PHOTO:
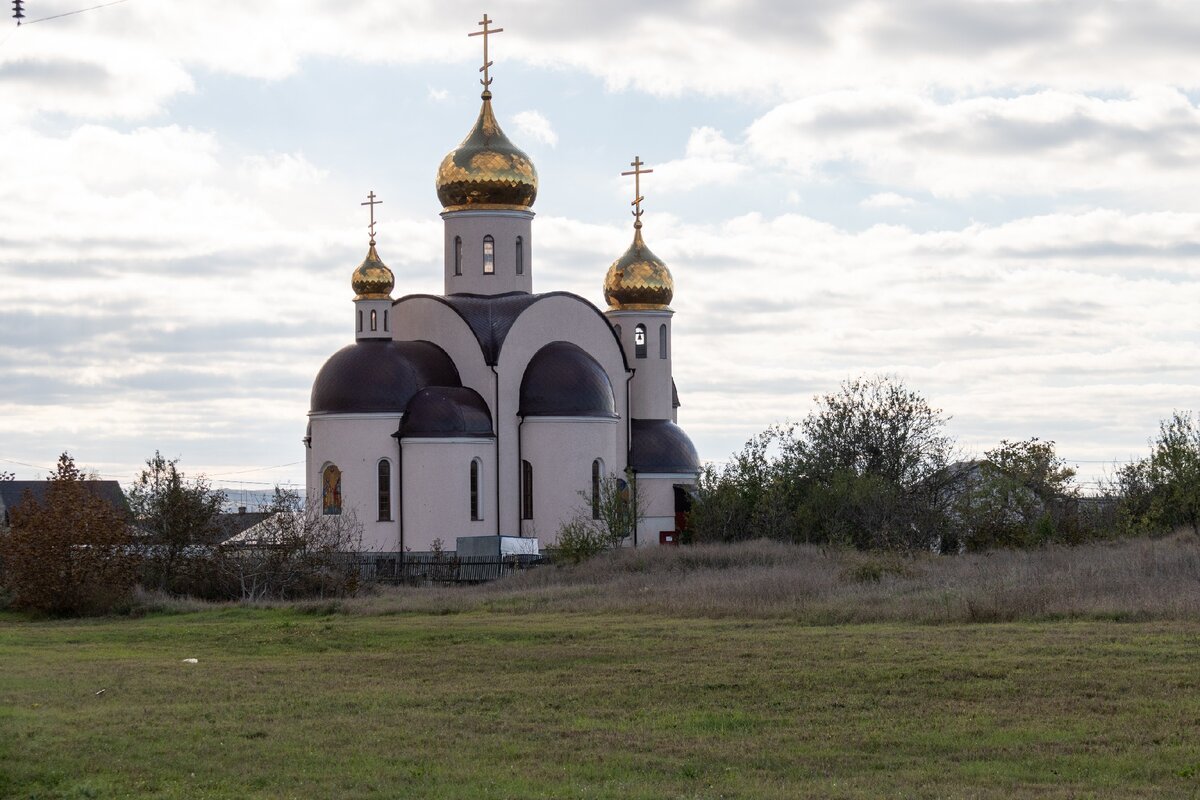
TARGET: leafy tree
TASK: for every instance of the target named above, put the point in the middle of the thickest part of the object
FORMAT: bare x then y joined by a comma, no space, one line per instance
607,517
1162,492
178,515
70,553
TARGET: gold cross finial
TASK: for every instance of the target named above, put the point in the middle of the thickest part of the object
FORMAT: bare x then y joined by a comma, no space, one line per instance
637,172
372,202
485,33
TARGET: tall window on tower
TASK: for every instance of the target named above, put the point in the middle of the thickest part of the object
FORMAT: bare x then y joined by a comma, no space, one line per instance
458,255
639,341
662,341
597,469
385,490
475,490
526,490
520,256
489,255
374,320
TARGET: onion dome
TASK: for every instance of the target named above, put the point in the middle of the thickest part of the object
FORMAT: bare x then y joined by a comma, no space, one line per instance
447,411
486,170
562,380
638,280
373,280
379,375
659,445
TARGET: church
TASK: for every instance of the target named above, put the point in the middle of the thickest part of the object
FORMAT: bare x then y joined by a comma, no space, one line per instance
492,409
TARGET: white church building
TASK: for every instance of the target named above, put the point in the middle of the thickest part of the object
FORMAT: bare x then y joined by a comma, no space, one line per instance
487,410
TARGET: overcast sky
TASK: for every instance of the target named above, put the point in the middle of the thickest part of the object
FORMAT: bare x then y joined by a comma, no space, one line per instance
996,201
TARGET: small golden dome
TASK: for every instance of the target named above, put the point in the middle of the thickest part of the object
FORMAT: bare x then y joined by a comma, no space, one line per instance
486,170
373,280
638,280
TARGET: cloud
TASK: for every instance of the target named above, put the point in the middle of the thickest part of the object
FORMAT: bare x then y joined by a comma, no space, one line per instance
709,159
439,95
534,125
887,200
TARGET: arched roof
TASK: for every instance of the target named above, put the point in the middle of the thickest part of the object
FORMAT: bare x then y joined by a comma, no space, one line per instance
447,411
659,445
562,380
379,375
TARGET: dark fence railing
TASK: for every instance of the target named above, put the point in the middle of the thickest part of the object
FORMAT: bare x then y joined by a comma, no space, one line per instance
438,568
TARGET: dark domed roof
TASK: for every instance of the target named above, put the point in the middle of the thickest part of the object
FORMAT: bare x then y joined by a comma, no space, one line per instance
379,375
659,445
564,381
439,411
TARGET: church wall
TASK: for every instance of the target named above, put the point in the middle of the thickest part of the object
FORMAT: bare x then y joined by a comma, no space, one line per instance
554,318
437,491
355,443
504,227
561,451
656,495
650,389
420,318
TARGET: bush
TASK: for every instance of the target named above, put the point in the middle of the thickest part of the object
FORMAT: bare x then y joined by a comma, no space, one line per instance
72,553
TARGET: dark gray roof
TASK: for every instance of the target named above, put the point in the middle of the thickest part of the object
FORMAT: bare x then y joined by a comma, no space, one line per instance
659,445
379,375
490,317
13,492
439,411
674,395
562,380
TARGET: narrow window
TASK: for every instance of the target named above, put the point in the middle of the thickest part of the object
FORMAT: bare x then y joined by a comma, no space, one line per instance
475,490
639,341
374,320
458,255
597,467
331,490
662,341
489,255
526,490
520,256
385,319
385,491
360,322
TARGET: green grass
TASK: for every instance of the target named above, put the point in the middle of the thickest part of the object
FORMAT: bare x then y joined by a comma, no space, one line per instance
284,704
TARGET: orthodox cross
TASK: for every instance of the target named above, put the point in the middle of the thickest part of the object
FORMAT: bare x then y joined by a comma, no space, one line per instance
485,33
637,172
372,202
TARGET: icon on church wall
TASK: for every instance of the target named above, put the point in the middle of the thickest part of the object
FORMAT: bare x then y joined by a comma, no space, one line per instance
331,482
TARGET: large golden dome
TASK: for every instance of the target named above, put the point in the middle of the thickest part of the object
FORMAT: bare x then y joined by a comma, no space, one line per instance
486,170
373,280
638,280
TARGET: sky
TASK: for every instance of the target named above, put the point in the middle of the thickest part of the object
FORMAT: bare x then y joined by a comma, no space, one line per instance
993,200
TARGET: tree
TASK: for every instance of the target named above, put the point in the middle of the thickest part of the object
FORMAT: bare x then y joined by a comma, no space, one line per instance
179,516
297,551
607,517
1162,492
70,553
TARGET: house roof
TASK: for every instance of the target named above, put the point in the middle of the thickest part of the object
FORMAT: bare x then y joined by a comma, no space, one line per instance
13,492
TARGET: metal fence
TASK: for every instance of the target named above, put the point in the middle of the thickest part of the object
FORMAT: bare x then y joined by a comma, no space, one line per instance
423,569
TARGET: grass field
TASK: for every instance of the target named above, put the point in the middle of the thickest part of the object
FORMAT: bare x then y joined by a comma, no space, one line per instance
501,704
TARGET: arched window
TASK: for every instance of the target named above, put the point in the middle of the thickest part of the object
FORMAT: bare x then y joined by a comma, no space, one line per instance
489,255
662,341
520,256
385,319
385,490
639,341
458,255
597,471
360,322
374,320
331,490
475,493
526,490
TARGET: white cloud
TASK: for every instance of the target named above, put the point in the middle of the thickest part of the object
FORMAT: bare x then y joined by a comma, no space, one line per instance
439,95
709,159
535,125
887,200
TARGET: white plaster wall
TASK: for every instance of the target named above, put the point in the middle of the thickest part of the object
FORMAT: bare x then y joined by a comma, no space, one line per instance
437,491
650,389
564,318
383,313
656,493
504,227
356,443
422,318
561,451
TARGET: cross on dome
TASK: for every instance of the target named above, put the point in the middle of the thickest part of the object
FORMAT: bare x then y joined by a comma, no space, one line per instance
485,80
637,172
372,202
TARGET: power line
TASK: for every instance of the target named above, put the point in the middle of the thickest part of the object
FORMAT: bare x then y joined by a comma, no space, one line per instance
70,13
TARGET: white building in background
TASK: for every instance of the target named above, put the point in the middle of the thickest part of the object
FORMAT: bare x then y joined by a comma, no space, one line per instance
488,409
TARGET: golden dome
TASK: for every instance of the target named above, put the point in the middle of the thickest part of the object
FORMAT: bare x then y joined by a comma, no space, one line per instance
486,170
373,280
638,280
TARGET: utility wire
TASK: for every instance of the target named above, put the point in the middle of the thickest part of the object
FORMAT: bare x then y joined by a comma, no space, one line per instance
70,13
